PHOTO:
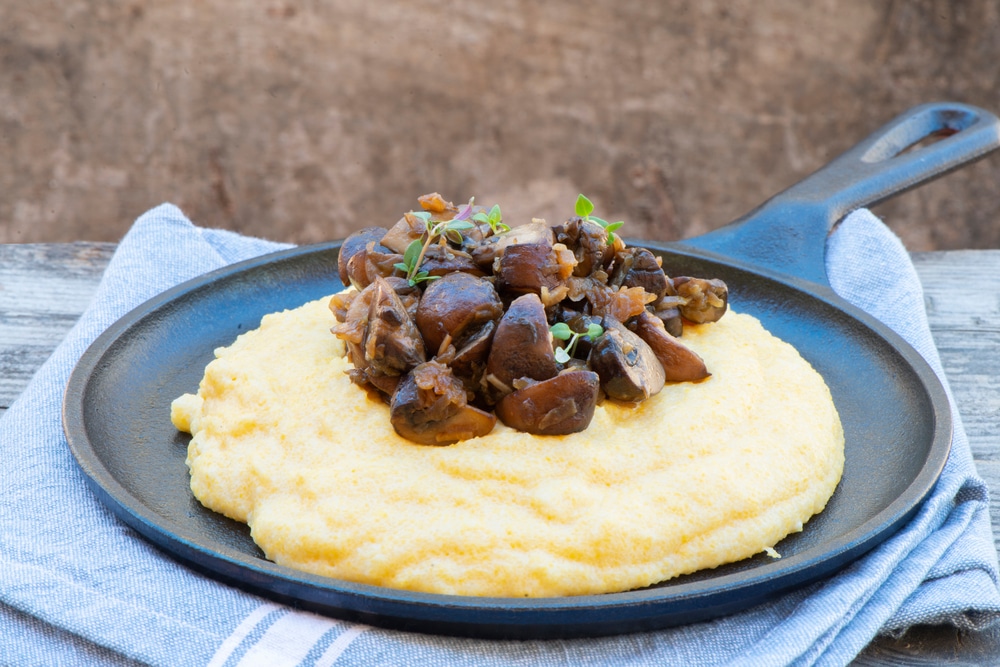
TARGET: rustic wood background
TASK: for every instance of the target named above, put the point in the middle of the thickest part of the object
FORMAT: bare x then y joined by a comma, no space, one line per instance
302,120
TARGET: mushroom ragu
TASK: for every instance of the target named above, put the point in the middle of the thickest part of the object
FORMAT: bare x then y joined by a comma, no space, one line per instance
456,319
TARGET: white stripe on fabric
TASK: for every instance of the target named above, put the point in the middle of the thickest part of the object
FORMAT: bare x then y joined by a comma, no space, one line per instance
239,634
288,640
339,645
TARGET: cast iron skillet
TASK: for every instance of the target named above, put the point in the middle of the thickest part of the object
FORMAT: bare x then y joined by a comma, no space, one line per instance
895,413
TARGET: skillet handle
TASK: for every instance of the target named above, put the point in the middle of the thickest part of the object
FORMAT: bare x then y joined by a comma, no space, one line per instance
788,232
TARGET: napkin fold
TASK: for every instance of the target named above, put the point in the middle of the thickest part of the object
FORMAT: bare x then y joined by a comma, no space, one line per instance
79,587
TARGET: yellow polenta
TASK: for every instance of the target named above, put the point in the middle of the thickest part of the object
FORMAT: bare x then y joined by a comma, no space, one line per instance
699,475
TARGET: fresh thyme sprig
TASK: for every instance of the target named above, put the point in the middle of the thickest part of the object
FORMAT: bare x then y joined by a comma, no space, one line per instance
414,255
584,208
494,219
562,331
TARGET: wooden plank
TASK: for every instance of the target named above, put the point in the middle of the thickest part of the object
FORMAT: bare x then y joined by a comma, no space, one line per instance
44,288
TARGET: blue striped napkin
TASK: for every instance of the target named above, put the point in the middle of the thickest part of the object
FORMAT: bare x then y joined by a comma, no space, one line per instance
78,587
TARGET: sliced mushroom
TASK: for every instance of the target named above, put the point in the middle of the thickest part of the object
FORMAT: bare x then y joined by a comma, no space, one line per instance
557,406
408,294
392,344
679,362
469,363
704,300
522,345
628,368
429,408
456,306
406,230
536,231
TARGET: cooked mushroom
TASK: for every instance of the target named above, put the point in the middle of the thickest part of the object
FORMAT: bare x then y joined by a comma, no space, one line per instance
574,274
440,259
704,300
392,344
380,261
430,408
557,406
527,267
352,311
522,345
628,368
638,267
406,230
589,242
667,310
679,362
469,362
457,305
536,231
351,258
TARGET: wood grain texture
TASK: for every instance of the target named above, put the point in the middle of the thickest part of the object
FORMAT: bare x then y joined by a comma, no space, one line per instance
45,287
43,290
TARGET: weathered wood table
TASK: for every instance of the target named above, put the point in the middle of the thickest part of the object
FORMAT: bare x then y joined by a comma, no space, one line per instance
44,288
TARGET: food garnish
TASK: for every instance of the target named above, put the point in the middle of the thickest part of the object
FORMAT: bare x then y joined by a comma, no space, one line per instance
457,319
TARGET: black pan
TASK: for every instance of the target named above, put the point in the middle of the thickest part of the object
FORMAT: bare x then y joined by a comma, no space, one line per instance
895,412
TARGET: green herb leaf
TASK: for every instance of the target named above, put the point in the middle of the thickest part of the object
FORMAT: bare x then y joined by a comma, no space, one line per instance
494,219
421,276
402,267
562,356
594,330
561,331
412,253
584,207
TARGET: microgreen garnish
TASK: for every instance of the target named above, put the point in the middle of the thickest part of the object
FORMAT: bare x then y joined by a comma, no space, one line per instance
584,208
494,219
562,331
414,255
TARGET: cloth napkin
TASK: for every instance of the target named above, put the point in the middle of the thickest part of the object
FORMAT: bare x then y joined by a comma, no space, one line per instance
79,587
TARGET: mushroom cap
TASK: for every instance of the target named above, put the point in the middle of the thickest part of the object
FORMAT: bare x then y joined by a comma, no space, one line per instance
351,258
557,406
522,345
680,363
457,305
528,267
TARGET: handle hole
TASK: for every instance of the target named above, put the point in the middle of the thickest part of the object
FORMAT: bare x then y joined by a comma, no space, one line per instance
919,132
932,138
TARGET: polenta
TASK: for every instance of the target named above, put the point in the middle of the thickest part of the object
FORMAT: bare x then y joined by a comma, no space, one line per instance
697,475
